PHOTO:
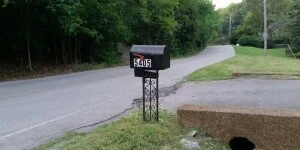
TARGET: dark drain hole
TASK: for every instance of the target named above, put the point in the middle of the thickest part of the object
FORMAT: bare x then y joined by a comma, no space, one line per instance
241,143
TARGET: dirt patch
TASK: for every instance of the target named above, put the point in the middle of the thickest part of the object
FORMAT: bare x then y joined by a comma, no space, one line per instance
11,73
267,76
163,92
166,91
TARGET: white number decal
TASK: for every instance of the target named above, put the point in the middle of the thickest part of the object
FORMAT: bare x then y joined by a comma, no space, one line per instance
145,63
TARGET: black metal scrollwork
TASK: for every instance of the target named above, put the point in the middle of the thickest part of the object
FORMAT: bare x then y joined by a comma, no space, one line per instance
150,99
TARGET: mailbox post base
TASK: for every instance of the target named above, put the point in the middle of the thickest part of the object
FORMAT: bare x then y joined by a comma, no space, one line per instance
150,98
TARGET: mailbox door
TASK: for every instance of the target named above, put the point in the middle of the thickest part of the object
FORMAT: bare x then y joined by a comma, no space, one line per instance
149,57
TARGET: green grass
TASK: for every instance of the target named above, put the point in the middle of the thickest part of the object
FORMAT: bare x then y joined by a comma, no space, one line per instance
250,61
132,133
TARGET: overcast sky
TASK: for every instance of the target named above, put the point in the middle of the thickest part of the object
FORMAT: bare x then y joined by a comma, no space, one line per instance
224,3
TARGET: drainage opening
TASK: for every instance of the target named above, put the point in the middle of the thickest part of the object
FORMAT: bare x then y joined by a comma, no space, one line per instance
241,143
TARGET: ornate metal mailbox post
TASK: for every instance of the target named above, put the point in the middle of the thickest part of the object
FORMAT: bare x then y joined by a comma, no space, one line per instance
147,60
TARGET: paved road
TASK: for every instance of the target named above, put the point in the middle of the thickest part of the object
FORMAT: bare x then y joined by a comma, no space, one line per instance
34,111
242,92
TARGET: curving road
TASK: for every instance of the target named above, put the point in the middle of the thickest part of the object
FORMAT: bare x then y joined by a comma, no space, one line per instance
34,111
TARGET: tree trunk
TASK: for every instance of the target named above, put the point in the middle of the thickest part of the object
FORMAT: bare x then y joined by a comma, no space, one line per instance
41,48
28,52
28,40
75,49
55,53
70,49
63,49
79,48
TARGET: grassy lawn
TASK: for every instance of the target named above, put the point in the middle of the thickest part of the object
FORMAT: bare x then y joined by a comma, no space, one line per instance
132,133
250,61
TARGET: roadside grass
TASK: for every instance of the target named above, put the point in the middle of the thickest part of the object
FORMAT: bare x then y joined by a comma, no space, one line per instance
88,66
132,133
9,73
250,61
190,53
193,53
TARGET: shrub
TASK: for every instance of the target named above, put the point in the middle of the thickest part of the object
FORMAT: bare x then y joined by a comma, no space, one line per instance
255,41
219,41
234,40
271,43
247,40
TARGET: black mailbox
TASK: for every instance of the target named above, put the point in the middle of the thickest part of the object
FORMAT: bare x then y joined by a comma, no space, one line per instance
147,60
149,57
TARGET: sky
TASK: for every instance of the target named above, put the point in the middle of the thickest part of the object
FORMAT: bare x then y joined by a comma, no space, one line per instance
224,3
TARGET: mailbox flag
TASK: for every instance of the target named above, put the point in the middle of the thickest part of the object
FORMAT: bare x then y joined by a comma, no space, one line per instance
141,56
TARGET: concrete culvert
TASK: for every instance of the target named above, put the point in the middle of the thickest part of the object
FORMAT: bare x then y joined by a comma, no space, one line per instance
241,143
269,129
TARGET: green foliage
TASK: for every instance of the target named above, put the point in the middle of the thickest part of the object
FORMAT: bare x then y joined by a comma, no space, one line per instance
151,21
198,22
67,13
255,41
87,31
247,20
246,40
294,25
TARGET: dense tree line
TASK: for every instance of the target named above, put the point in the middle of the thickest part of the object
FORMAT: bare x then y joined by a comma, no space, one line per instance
248,22
76,31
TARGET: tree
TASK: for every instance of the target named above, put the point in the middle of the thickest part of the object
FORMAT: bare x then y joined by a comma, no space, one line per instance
249,15
294,26
89,31
198,22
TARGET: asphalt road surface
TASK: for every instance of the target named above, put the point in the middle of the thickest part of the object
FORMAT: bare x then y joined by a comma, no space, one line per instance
241,92
34,111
